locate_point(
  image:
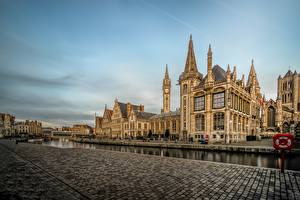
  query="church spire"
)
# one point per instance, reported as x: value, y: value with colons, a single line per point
x: 252, y: 75
x: 190, y: 65
x: 166, y: 72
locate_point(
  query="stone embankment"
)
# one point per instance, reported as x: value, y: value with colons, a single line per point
x: 173, y: 145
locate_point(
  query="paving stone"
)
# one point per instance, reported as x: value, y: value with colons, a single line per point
x: 32, y: 171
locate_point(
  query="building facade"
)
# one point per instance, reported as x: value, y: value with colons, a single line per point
x: 7, y: 122
x: 81, y: 130
x: 32, y: 128
x: 98, y: 125
x: 125, y: 120
x: 217, y: 106
x: 138, y: 124
x: 283, y: 115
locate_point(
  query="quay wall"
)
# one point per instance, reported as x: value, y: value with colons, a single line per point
x: 208, y: 147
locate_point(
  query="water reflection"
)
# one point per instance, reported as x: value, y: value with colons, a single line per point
x: 260, y: 160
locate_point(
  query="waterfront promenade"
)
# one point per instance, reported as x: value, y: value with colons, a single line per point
x: 31, y: 171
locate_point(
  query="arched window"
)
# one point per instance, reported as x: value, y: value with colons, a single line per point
x: 271, y: 116
x: 219, y: 121
x: 200, y: 123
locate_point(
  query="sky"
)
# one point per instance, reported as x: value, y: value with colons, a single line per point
x: 62, y: 61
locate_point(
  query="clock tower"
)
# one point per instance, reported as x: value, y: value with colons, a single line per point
x: 166, y: 92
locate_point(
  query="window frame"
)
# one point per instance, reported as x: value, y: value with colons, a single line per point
x: 213, y: 100
x: 200, y: 108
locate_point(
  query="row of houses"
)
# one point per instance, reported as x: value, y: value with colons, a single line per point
x: 9, y: 127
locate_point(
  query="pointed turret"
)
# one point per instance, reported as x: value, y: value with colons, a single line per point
x: 228, y: 73
x: 166, y: 72
x: 234, y: 73
x: 209, y: 65
x: 243, y: 80
x: 190, y: 65
x: 295, y: 73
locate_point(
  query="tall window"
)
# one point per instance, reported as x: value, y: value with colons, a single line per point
x: 219, y: 121
x: 218, y: 100
x: 200, y: 123
x: 271, y: 116
x: 199, y: 103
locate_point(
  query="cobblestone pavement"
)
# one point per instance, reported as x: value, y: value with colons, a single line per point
x: 101, y: 174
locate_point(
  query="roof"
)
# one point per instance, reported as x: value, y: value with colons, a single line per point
x: 219, y: 73
x: 144, y: 115
x: 168, y: 114
x: 289, y: 73
x: 123, y: 108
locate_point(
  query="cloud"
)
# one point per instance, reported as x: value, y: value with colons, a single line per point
x: 7, y: 78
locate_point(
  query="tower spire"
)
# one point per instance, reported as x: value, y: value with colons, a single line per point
x: 166, y: 72
x: 166, y: 92
x: 209, y: 65
x: 190, y: 65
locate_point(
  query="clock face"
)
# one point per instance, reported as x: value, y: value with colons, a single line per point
x: 166, y: 90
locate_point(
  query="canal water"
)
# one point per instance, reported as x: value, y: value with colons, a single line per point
x: 251, y: 159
